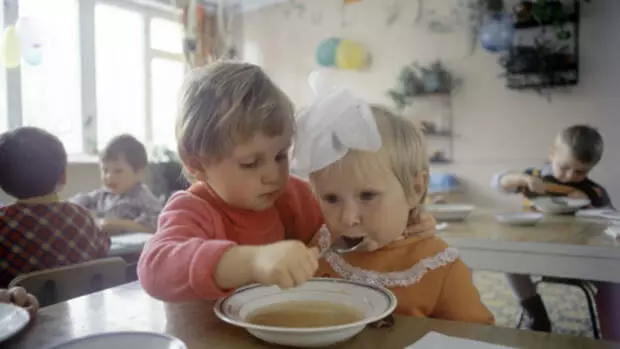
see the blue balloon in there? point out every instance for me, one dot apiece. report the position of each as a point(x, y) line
point(32, 55)
point(497, 34)
point(326, 52)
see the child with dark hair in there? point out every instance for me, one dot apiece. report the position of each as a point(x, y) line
point(124, 203)
point(39, 231)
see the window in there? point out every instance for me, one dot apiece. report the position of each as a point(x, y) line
point(51, 91)
point(166, 79)
point(4, 120)
point(119, 61)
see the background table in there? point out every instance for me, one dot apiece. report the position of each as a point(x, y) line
point(560, 246)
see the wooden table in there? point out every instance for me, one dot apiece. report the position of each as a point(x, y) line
point(561, 246)
point(128, 307)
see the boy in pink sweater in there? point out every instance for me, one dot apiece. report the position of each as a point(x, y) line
point(245, 219)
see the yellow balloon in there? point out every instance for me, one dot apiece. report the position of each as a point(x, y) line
point(351, 55)
point(10, 50)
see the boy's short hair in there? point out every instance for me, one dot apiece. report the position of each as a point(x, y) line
point(584, 142)
point(126, 147)
point(227, 103)
point(32, 162)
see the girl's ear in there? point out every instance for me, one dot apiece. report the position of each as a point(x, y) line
point(419, 190)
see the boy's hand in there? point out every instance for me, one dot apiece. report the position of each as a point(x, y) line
point(535, 184)
point(21, 298)
point(285, 264)
point(578, 194)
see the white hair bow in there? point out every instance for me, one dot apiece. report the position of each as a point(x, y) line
point(335, 123)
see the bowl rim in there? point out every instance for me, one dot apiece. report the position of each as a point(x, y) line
point(170, 338)
point(521, 215)
point(392, 302)
point(450, 208)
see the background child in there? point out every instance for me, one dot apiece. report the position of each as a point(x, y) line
point(229, 228)
point(376, 197)
point(21, 298)
point(124, 203)
point(39, 231)
point(574, 153)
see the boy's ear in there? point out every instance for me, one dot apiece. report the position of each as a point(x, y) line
point(196, 168)
point(63, 178)
point(420, 188)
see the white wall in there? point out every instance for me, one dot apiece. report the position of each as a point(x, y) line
point(495, 128)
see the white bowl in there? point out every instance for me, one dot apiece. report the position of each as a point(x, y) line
point(449, 212)
point(123, 340)
point(12, 320)
point(559, 205)
point(374, 302)
point(519, 218)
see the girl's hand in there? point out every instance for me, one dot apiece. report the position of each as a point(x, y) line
point(285, 264)
point(21, 298)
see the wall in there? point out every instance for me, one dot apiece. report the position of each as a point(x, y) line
point(495, 128)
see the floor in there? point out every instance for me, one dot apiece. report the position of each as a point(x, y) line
point(566, 305)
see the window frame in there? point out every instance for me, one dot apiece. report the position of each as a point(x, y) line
point(149, 9)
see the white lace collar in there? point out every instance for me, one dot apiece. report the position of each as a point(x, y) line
point(402, 278)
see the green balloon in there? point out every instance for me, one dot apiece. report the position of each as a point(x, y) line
point(326, 52)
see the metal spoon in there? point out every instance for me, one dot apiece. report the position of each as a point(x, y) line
point(343, 245)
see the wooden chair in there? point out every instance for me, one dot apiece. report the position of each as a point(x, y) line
point(55, 285)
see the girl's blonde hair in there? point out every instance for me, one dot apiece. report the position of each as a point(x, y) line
point(225, 104)
point(403, 145)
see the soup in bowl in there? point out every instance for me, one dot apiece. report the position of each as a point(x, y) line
point(320, 313)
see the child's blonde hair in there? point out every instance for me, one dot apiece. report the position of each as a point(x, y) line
point(225, 104)
point(403, 146)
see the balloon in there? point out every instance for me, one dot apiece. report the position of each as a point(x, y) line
point(351, 55)
point(11, 48)
point(32, 54)
point(326, 52)
point(30, 31)
point(498, 33)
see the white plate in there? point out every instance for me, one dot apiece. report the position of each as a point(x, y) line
point(519, 218)
point(610, 214)
point(12, 320)
point(449, 212)
point(559, 205)
point(124, 340)
point(374, 302)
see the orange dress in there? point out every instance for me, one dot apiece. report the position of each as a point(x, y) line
point(426, 275)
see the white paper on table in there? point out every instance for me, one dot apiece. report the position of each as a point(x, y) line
point(434, 340)
point(131, 239)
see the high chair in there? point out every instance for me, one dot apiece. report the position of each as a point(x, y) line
point(56, 285)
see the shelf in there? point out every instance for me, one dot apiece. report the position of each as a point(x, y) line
point(440, 162)
point(572, 18)
point(566, 83)
point(569, 68)
point(438, 134)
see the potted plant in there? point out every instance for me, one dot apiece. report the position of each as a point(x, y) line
point(415, 80)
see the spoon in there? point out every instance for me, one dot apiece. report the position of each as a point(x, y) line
point(344, 244)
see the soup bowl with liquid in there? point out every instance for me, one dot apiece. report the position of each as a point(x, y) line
point(321, 312)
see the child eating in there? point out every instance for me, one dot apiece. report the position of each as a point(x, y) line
point(245, 219)
point(576, 150)
point(369, 170)
point(124, 204)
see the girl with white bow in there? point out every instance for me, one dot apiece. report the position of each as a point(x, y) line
point(369, 170)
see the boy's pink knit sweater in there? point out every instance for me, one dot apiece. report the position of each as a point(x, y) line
point(196, 227)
